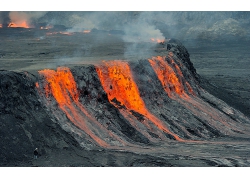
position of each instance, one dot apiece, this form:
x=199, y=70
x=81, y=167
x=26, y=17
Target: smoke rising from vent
x=140, y=31
x=180, y=25
x=136, y=28
x=20, y=18
x=29, y=17
x=143, y=35
x=90, y=20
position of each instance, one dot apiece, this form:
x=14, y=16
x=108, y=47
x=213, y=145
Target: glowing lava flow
x=62, y=86
x=22, y=24
x=168, y=77
x=158, y=40
x=1, y=25
x=66, y=33
x=86, y=31
x=118, y=84
x=171, y=79
x=117, y=81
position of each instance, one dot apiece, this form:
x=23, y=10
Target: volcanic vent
x=120, y=104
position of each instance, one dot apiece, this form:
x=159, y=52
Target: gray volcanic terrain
x=91, y=93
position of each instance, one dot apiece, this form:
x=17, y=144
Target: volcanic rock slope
x=151, y=110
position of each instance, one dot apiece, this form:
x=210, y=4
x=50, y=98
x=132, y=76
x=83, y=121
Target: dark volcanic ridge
x=153, y=110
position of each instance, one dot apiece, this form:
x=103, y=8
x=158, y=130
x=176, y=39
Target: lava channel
x=168, y=77
x=117, y=81
x=62, y=86
x=22, y=24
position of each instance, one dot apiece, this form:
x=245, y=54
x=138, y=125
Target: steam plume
x=28, y=16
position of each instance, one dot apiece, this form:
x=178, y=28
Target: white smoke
x=85, y=24
x=18, y=17
x=141, y=32
x=141, y=36
x=98, y=20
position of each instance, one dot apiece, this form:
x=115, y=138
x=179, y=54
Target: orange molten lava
x=1, y=25
x=157, y=40
x=37, y=85
x=22, y=24
x=167, y=76
x=57, y=80
x=86, y=31
x=117, y=80
x=66, y=33
x=62, y=86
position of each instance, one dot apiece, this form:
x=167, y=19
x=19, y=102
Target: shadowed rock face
x=135, y=106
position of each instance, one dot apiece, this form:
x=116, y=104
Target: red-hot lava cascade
x=157, y=40
x=168, y=77
x=22, y=24
x=62, y=86
x=173, y=82
x=86, y=31
x=117, y=80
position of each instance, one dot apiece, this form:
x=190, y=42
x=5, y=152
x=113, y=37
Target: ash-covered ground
x=205, y=123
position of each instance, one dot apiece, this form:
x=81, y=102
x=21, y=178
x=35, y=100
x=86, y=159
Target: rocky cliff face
x=133, y=106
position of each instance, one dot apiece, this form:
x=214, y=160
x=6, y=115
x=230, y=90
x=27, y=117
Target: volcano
x=153, y=111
